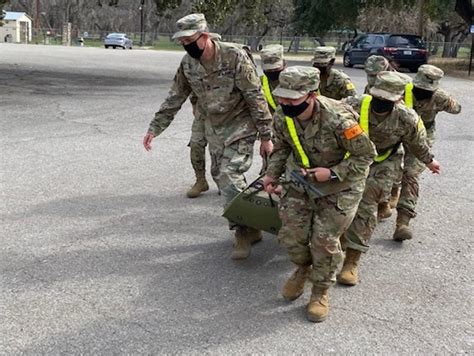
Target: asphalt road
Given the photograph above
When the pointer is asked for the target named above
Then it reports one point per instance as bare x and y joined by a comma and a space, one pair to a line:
102, 253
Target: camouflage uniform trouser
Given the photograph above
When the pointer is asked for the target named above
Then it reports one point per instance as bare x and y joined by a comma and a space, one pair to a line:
380, 179
310, 232
412, 170
198, 145
229, 162
398, 174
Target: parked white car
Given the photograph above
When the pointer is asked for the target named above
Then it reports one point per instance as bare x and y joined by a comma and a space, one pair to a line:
120, 40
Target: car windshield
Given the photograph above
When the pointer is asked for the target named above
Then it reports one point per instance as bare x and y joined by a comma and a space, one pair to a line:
114, 35
405, 41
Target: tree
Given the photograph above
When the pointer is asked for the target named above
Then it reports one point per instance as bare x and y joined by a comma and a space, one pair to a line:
317, 17
2, 3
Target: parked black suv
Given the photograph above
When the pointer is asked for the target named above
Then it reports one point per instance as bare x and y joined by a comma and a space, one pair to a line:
407, 51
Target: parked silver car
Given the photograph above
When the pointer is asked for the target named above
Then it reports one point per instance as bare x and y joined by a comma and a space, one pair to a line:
115, 40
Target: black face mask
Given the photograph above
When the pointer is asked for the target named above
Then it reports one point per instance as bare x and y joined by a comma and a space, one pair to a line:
380, 106
294, 110
273, 75
193, 49
422, 94
322, 70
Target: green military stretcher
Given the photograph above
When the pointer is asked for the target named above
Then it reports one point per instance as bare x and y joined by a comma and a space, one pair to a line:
255, 208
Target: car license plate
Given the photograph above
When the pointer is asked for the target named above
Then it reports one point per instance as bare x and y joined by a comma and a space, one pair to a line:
408, 53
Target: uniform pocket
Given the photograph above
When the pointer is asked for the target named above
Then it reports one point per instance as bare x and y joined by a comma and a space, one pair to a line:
245, 146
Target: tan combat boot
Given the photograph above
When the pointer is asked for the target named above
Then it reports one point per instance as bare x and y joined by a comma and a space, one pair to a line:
394, 196
384, 211
317, 309
402, 230
294, 286
198, 187
349, 274
244, 238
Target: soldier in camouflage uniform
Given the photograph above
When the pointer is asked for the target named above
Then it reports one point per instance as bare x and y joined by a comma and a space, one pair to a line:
428, 101
272, 64
335, 84
312, 135
388, 123
197, 145
224, 80
374, 65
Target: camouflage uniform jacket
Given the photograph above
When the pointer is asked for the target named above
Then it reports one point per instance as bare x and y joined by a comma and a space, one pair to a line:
428, 109
337, 86
325, 141
228, 94
400, 126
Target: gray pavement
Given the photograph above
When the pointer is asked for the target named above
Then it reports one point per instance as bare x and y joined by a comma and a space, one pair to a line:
102, 253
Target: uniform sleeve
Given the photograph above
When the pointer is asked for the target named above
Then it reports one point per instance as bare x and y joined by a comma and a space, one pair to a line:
347, 88
354, 102
179, 92
415, 137
248, 82
281, 151
445, 102
356, 142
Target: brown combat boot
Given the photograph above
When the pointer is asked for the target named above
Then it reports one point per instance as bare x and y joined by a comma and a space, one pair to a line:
317, 309
384, 211
349, 274
198, 187
402, 230
394, 196
244, 238
294, 286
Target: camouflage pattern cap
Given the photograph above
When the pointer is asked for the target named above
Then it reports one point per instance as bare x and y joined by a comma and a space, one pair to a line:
190, 24
297, 81
405, 77
388, 86
428, 77
272, 57
323, 55
375, 64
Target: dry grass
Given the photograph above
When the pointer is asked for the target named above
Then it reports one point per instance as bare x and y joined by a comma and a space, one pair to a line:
450, 63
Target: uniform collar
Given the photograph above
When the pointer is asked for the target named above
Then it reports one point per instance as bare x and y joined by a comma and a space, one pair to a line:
313, 125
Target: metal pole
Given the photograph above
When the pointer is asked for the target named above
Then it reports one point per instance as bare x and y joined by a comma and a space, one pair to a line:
472, 48
142, 12
37, 20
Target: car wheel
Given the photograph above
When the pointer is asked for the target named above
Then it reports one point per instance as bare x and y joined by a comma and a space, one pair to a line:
124, 47
106, 47
114, 47
347, 61
413, 69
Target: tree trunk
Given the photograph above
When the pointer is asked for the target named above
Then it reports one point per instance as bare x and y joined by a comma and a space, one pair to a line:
258, 39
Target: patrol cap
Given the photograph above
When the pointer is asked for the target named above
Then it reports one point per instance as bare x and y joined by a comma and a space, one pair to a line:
323, 55
189, 25
388, 86
272, 57
405, 77
297, 81
375, 64
428, 77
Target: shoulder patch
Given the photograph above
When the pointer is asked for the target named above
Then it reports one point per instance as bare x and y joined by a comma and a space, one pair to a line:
350, 86
352, 132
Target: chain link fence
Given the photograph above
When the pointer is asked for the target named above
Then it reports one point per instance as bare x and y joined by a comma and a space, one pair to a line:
292, 44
